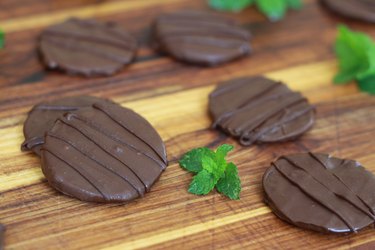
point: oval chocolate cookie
(320, 192)
(44, 115)
(257, 109)
(202, 38)
(87, 47)
(104, 153)
(357, 9)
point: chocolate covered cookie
(44, 115)
(87, 47)
(357, 9)
(257, 110)
(202, 38)
(103, 153)
(320, 192)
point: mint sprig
(212, 170)
(2, 37)
(273, 9)
(356, 54)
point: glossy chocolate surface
(202, 38)
(103, 153)
(357, 9)
(257, 110)
(87, 47)
(44, 115)
(320, 192)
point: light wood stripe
(41, 20)
(190, 230)
(20, 178)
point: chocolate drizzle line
(89, 136)
(74, 44)
(83, 173)
(254, 108)
(43, 116)
(200, 37)
(87, 154)
(161, 153)
(325, 187)
(97, 127)
(358, 9)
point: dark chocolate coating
(363, 10)
(320, 192)
(2, 231)
(87, 47)
(257, 109)
(202, 38)
(44, 115)
(104, 153)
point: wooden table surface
(173, 97)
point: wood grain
(173, 97)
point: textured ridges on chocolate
(200, 37)
(89, 47)
(358, 9)
(42, 117)
(92, 143)
(141, 129)
(322, 192)
(257, 109)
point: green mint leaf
(2, 37)
(371, 63)
(273, 9)
(220, 154)
(231, 5)
(230, 183)
(192, 160)
(202, 183)
(352, 51)
(368, 84)
(356, 54)
(294, 4)
(209, 164)
(223, 150)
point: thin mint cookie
(320, 192)
(87, 47)
(103, 153)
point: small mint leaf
(202, 183)
(192, 160)
(367, 84)
(209, 165)
(2, 39)
(231, 5)
(221, 153)
(230, 183)
(294, 4)
(273, 9)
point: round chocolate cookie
(44, 115)
(357, 9)
(87, 47)
(104, 153)
(203, 38)
(257, 109)
(320, 192)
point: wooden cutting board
(173, 97)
